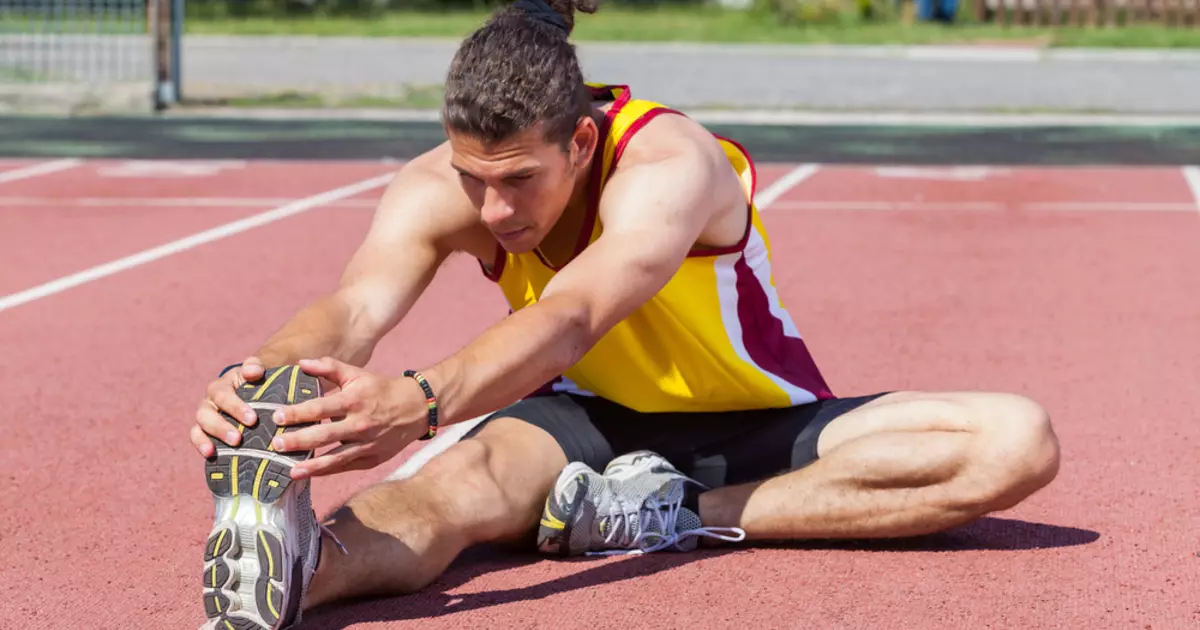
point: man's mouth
(511, 234)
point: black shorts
(716, 449)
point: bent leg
(905, 464)
(400, 535)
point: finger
(252, 369)
(341, 459)
(201, 441)
(226, 399)
(329, 368)
(328, 387)
(315, 410)
(211, 422)
(316, 436)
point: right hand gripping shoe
(265, 541)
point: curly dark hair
(519, 70)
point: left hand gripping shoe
(266, 540)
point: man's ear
(583, 142)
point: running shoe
(265, 541)
(634, 507)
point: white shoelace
(334, 537)
(666, 535)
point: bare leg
(903, 465)
(401, 535)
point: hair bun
(587, 6)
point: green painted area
(684, 22)
(205, 138)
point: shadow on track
(987, 533)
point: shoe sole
(250, 564)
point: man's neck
(558, 247)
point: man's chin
(519, 242)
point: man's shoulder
(670, 137)
(682, 168)
(667, 133)
(426, 195)
(429, 172)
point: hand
(221, 395)
(374, 418)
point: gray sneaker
(636, 509)
(265, 540)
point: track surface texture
(1075, 286)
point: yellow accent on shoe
(271, 379)
(271, 604)
(262, 539)
(233, 471)
(548, 519)
(262, 467)
(291, 399)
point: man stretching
(652, 389)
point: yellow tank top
(715, 338)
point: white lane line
(42, 168)
(169, 202)
(867, 206)
(776, 190)
(1192, 175)
(188, 242)
(983, 206)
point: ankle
(320, 588)
(691, 499)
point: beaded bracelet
(430, 399)
(227, 368)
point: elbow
(575, 332)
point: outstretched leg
(905, 464)
(401, 535)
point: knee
(464, 493)
(1017, 452)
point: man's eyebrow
(520, 172)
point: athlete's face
(522, 185)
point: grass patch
(706, 24)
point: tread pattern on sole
(243, 471)
(215, 603)
(238, 623)
(268, 589)
(220, 559)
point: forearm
(510, 360)
(323, 328)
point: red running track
(1074, 286)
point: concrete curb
(739, 117)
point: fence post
(176, 52)
(162, 53)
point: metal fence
(1110, 13)
(97, 48)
